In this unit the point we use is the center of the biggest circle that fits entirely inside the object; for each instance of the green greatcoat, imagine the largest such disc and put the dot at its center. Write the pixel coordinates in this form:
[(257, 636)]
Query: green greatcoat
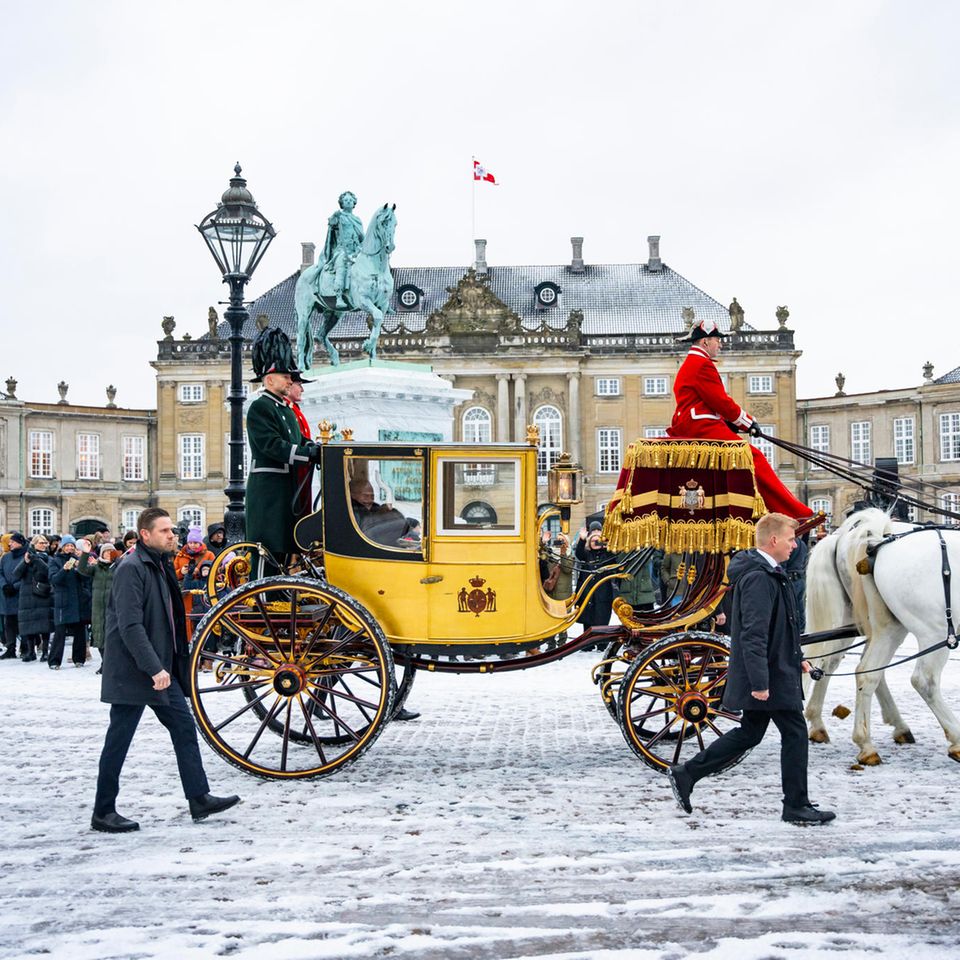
[(276, 448)]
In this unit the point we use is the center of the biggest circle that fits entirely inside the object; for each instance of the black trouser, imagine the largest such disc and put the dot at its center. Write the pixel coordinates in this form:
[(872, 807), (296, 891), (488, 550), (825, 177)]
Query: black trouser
[(178, 720), (753, 725), (79, 634), (11, 626)]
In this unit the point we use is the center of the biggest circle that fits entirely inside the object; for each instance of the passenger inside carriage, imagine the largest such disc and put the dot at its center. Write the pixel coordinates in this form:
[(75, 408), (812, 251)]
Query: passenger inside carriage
[(704, 410)]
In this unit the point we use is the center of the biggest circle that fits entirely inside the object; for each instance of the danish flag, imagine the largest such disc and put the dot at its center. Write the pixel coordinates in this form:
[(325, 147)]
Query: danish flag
[(480, 173)]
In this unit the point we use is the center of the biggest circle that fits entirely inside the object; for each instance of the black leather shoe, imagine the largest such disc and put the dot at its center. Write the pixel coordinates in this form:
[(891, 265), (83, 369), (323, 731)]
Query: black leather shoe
[(808, 813), (208, 804), (113, 823), (682, 786), (404, 714)]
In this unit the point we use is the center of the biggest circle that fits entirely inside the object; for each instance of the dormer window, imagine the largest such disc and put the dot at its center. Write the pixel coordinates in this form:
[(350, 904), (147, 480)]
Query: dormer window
[(547, 295), (409, 297)]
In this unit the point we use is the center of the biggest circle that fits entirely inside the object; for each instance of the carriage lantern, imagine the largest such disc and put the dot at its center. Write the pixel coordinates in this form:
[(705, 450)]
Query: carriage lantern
[(237, 235), (563, 487)]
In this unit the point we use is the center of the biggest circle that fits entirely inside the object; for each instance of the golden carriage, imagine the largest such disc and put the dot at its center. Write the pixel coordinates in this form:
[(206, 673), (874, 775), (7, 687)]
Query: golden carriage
[(296, 675)]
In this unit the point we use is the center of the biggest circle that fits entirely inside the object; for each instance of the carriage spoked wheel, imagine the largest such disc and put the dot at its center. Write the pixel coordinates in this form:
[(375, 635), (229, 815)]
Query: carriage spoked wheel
[(608, 675), (307, 687), (668, 705), (230, 569)]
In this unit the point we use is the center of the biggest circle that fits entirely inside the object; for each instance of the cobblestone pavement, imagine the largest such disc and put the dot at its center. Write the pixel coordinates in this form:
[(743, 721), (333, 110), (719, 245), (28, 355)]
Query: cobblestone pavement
[(509, 821)]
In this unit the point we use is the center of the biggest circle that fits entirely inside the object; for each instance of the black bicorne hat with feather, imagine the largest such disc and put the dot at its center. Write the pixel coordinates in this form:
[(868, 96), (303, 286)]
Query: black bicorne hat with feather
[(272, 353)]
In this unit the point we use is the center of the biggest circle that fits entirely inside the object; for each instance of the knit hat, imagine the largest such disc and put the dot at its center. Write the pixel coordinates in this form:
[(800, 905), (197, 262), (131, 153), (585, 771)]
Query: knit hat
[(67, 539), (194, 536), (18, 537), (105, 548)]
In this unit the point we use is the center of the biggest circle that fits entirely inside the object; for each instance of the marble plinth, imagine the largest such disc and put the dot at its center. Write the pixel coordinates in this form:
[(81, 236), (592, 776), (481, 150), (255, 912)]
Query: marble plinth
[(383, 400)]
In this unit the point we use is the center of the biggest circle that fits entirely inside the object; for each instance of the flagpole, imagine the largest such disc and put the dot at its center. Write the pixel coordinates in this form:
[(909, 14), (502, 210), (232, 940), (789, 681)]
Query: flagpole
[(473, 200)]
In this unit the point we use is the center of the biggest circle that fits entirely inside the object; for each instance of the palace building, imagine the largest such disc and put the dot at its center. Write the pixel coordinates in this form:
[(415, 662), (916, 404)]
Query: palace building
[(587, 352)]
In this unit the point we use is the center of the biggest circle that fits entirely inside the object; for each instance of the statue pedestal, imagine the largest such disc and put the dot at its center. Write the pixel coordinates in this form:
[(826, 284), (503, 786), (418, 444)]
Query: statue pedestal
[(383, 400)]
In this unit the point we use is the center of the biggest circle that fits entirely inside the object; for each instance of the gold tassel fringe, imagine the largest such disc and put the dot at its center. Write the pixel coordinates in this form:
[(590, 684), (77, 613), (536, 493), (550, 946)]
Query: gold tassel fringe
[(676, 536)]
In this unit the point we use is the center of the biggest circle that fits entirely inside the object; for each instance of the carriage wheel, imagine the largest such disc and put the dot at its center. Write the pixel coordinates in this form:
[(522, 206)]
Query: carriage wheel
[(608, 674), (669, 701), (230, 569), (405, 678), (309, 663)]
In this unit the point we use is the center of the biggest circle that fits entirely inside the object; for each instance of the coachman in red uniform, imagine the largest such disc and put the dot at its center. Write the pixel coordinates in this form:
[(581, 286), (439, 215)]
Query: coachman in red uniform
[(704, 408)]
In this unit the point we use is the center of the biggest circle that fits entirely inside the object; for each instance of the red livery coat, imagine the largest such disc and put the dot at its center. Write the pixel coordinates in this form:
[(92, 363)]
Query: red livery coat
[(304, 503), (703, 406)]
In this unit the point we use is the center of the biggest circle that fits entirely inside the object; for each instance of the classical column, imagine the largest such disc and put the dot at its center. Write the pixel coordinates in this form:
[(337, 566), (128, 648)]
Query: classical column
[(520, 400), (503, 407), (573, 419)]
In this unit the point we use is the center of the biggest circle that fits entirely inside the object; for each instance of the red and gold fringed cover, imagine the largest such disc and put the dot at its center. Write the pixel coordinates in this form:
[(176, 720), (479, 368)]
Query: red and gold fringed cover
[(684, 495)]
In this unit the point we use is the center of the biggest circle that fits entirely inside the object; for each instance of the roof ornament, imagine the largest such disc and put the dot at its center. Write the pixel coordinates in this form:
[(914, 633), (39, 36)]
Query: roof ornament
[(783, 315), (840, 380), (736, 315)]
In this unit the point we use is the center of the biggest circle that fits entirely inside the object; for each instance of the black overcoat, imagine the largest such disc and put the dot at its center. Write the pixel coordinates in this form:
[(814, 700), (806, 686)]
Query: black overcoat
[(146, 630), (35, 613), (277, 447), (10, 604), (71, 596), (765, 651)]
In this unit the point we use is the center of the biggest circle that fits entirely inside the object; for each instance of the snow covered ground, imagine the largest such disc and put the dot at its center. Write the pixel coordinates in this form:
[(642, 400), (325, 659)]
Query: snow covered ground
[(509, 821)]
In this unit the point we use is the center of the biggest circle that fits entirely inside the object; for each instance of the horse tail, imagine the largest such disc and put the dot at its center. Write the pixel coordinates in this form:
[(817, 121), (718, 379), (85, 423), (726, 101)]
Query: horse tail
[(868, 605), (827, 603)]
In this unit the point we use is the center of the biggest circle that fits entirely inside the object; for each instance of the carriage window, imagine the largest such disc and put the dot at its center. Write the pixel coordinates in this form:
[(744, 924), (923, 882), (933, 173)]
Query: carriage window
[(479, 497), (386, 500)]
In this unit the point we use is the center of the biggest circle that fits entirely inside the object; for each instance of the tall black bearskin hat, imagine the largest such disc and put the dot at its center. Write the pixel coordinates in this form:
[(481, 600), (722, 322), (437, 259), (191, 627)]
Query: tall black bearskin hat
[(272, 353), (702, 330)]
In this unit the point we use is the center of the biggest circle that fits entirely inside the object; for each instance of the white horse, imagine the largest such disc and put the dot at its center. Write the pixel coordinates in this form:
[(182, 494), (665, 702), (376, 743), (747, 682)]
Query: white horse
[(904, 594)]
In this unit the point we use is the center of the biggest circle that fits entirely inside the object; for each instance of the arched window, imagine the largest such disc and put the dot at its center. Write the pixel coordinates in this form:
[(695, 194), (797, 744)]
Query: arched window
[(550, 421), (826, 505), (41, 521), (191, 515), (477, 425)]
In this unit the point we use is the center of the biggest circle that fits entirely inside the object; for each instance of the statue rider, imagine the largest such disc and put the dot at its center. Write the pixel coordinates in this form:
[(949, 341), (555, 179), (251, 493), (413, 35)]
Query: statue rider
[(344, 238)]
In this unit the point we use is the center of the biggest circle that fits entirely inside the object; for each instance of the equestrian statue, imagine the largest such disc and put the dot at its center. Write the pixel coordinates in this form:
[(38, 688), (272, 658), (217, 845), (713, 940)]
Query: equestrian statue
[(352, 273)]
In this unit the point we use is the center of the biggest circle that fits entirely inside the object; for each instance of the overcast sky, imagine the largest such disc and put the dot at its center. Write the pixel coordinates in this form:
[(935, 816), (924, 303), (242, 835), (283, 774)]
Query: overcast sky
[(791, 154)]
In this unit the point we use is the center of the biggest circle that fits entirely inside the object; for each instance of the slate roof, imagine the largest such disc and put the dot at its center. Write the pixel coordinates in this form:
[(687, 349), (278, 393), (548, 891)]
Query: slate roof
[(952, 377), (619, 298)]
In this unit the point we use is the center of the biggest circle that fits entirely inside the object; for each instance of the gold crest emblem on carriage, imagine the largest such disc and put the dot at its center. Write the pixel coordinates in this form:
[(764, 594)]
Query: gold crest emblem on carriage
[(692, 496), (477, 600)]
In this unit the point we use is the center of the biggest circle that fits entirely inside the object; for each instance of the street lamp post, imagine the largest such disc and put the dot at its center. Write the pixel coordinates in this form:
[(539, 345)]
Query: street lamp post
[(237, 235)]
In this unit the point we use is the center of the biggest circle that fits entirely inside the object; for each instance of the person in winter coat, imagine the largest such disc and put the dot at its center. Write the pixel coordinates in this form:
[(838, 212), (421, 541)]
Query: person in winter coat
[(35, 612), (639, 590), (592, 554), (216, 539), (70, 603), (100, 574), (10, 592), (763, 679), (191, 554), (146, 663)]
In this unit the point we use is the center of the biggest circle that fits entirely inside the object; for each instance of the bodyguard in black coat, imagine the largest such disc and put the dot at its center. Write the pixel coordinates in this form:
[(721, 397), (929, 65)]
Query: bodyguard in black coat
[(35, 613), (763, 680), (145, 659)]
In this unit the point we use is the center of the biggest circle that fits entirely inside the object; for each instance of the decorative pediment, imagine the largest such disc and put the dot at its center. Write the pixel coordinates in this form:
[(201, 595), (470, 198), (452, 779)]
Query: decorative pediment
[(472, 308)]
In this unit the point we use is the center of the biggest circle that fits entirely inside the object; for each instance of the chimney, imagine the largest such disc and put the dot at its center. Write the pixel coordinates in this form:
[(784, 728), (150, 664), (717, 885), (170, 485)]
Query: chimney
[(480, 264), (576, 263), (654, 263), (307, 254)]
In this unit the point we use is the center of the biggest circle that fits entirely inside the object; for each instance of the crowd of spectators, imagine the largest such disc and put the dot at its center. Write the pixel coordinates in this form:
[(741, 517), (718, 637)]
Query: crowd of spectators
[(57, 586)]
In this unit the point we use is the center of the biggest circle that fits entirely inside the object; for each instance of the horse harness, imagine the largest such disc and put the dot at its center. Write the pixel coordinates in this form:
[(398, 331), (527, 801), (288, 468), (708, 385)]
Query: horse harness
[(865, 567)]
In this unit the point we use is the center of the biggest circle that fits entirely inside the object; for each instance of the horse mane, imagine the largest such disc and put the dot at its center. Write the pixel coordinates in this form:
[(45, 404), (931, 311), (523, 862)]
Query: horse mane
[(372, 240)]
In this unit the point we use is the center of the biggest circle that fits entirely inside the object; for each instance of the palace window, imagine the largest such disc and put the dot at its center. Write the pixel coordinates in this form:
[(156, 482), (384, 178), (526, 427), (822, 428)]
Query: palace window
[(41, 454), (608, 386), (609, 455), (134, 457), (760, 383), (903, 439), (191, 515), (226, 456), (655, 386), (41, 521), (951, 502), (550, 422), (191, 456), (824, 505), (477, 425), (764, 445), (191, 393), (653, 433), (88, 456), (819, 440), (128, 520), (950, 436), (860, 447)]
